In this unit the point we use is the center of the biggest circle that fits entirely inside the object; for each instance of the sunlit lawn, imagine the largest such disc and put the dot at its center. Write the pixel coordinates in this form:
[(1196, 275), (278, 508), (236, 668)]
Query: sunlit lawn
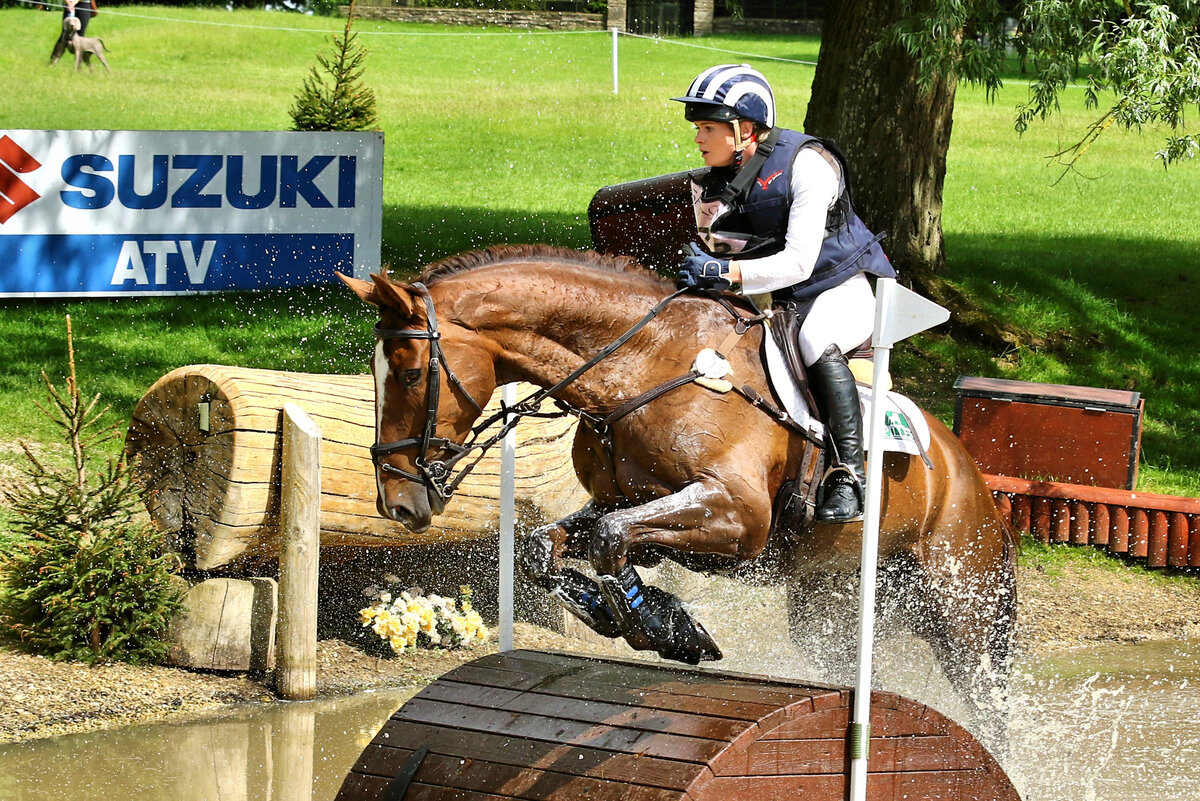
[(495, 136)]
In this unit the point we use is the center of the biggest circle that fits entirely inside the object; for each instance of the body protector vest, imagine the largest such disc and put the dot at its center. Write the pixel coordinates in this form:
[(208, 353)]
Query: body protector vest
[(740, 219)]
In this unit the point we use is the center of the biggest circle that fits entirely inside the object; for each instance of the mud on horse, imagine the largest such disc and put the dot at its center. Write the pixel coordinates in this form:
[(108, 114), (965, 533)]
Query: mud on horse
[(674, 469)]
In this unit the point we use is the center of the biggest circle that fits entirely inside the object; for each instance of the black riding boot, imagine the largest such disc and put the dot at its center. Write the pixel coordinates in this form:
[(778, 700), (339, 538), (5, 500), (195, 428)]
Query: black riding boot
[(833, 385), (655, 620)]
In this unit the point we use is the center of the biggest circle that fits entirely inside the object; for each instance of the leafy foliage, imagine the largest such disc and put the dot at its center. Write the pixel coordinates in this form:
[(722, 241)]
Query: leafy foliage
[(85, 580), (1142, 59), (343, 104)]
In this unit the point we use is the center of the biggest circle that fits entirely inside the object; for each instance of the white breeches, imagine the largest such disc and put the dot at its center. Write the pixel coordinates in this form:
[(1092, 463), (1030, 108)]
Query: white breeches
[(842, 316)]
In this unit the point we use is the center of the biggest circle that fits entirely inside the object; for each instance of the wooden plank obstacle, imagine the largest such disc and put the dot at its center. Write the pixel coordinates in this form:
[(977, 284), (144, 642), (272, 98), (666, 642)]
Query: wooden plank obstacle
[(208, 441), (554, 726)]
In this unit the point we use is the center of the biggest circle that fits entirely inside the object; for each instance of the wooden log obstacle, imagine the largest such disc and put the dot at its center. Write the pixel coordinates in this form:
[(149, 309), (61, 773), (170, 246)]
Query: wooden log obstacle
[(208, 442), (1159, 530), (554, 726)]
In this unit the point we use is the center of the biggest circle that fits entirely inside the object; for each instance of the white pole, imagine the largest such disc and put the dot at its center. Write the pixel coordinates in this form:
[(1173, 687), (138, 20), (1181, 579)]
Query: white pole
[(899, 313), (614, 58), (860, 728), (508, 493)]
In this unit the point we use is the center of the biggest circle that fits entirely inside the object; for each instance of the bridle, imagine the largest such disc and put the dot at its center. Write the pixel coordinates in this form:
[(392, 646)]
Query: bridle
[(437, 475), (434, 473)]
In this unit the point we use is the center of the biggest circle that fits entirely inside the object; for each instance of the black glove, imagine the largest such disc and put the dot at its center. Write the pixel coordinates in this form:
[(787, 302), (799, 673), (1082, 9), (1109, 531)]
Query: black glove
[(702, 271)]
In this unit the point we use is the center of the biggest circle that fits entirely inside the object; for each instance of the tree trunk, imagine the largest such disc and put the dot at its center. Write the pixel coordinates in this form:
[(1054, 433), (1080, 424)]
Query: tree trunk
[(894, 134)]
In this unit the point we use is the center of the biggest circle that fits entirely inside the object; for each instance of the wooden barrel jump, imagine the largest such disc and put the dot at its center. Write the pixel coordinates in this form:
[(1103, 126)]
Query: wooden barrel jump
[(555, 726), (208, 442)]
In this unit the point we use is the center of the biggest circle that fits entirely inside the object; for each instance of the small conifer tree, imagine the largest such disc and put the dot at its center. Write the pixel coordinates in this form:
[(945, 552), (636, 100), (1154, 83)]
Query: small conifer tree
[(84, 579), (336, 100)]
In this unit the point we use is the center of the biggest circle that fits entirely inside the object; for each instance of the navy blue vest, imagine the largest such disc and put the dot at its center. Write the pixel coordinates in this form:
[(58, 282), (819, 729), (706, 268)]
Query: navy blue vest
[(761, 218)]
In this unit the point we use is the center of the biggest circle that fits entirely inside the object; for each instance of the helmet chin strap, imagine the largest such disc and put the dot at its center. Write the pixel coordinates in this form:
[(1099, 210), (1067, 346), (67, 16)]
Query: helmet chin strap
[(740, 144)]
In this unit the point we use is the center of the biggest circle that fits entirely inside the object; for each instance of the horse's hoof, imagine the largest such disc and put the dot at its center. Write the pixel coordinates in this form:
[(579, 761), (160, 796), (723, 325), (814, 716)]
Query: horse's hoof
[(697, 646), (682, 638)]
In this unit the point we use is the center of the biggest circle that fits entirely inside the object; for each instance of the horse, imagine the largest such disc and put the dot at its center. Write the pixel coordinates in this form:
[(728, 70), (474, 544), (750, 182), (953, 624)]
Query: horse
[(675, 468)]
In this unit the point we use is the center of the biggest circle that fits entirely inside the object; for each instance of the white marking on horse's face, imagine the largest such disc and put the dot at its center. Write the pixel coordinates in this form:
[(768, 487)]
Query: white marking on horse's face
[(380, 368)]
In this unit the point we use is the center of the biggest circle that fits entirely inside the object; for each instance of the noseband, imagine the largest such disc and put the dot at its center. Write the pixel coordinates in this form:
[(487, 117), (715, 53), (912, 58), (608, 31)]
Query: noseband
[(434, 474)]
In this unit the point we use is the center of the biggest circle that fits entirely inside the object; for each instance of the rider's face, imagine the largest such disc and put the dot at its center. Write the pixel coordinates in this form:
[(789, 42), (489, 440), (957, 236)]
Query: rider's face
[(715, 140)]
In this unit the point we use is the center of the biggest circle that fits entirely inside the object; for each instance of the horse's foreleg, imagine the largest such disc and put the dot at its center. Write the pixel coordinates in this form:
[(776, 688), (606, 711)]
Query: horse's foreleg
[(701, 518), (540, 556)]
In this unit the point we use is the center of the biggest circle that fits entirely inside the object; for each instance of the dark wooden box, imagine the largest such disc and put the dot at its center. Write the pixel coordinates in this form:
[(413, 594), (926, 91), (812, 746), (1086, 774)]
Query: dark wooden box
[(1050, 432), (651, 220)]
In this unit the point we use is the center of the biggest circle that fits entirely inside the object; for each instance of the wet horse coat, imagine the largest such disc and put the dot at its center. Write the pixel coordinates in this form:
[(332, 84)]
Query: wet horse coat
[(692, 475)]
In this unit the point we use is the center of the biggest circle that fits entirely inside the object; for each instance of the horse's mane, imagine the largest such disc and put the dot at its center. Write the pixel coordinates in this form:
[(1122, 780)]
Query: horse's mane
[(502, 254)]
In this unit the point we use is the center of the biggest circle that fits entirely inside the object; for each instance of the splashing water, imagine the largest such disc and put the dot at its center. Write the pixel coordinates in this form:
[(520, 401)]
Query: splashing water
[(1101, 723)]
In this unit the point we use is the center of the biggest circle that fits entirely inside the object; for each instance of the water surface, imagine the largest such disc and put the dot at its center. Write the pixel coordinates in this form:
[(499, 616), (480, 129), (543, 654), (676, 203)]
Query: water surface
[(1112, 723)]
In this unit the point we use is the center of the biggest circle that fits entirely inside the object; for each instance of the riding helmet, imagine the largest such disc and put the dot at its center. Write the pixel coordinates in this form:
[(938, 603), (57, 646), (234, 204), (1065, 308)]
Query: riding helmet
[(730, 92)]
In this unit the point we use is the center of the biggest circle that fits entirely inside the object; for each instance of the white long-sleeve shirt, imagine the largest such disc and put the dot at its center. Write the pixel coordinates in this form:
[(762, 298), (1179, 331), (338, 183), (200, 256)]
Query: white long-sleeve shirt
[(815, 188)]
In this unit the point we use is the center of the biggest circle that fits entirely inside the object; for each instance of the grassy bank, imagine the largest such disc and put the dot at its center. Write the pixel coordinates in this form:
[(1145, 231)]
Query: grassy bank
[(494, 136)]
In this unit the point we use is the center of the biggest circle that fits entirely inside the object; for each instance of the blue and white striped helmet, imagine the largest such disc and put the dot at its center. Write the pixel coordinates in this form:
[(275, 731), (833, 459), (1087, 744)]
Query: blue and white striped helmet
[(730, 92)]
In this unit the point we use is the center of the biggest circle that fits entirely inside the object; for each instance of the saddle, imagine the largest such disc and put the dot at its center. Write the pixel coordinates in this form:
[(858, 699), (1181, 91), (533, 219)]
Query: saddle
[(796, 501)]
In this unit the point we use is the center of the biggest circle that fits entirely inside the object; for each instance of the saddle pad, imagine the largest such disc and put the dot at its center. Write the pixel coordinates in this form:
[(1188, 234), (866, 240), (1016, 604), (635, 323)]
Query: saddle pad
[(905, 428), (903, 419)]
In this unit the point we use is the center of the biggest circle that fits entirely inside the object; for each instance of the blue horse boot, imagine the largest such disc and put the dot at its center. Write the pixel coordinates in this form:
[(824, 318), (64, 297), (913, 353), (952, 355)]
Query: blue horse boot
[(655, 620)]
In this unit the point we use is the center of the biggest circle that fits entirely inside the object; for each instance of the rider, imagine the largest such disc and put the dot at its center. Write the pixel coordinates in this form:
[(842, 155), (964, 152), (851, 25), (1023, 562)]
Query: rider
[(774, 209)]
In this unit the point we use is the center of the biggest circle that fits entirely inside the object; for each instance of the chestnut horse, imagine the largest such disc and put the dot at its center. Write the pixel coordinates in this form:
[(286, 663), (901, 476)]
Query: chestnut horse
[(690, 474)]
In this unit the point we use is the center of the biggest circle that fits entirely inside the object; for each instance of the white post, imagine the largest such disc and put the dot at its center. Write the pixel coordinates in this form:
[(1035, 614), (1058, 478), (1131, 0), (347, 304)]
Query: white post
[(615, 33), (508, 493), (899, 313)]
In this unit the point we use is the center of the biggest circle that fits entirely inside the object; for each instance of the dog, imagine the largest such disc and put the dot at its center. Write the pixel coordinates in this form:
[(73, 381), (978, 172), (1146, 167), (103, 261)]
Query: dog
[(83, 46)]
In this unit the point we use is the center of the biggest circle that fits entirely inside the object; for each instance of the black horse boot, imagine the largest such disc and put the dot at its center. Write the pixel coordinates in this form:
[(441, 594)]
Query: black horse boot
[(655, 620), (581, 596), (575, 591), (833, 386)]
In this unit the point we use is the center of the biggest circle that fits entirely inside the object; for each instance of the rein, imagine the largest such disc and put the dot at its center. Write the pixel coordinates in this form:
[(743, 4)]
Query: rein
[(439, 475)]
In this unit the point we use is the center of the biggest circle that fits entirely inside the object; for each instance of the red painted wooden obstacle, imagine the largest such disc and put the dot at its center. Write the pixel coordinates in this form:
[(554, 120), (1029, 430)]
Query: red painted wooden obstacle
[(554, 726), (1162, 530)]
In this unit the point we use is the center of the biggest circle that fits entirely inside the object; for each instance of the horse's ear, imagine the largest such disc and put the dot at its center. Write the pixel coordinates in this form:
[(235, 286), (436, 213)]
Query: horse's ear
[(399, 298), (364, 289), (381, 292)]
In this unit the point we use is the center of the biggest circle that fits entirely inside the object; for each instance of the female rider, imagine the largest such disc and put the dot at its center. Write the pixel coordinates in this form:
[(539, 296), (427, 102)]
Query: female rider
[(773, 208)]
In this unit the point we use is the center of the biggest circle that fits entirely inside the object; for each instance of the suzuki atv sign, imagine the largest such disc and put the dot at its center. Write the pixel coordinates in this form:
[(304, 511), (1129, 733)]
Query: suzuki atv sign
[(110, 213)]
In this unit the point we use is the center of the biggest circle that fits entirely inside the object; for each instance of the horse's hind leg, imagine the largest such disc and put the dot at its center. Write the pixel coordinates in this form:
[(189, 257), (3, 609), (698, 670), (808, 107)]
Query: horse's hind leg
[(540, 556), (968, 622)]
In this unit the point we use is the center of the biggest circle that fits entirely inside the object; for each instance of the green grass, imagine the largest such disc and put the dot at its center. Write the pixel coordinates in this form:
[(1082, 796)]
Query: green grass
[(498, 137), (1053, 560)]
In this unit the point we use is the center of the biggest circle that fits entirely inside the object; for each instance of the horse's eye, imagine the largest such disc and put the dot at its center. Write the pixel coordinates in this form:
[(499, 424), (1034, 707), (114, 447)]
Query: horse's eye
[(411, 377)]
